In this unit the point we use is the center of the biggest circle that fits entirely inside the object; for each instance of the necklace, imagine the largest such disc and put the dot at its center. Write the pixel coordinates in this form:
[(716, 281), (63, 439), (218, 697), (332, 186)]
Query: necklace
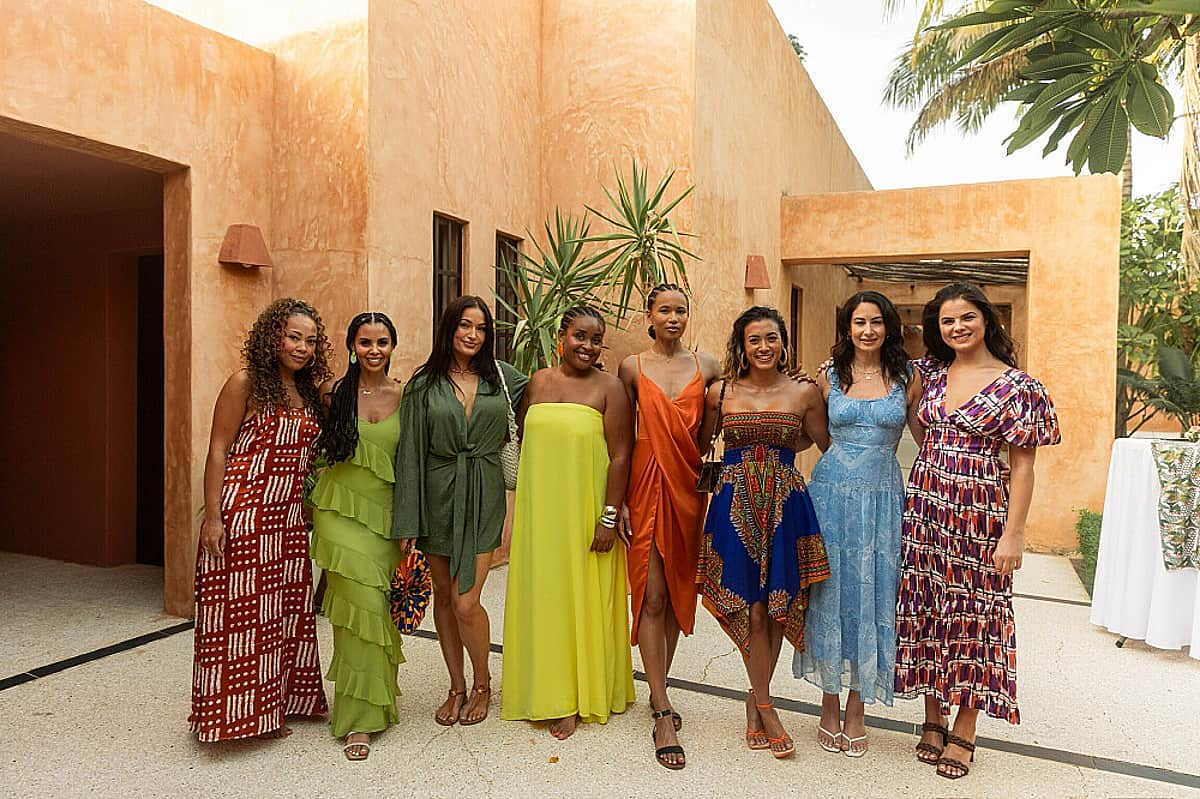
[(867, 374), (456, 371), (369, 390)]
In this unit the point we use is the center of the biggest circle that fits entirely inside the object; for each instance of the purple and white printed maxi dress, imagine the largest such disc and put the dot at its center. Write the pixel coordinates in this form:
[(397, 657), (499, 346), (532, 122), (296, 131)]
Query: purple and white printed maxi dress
[(956, 635)]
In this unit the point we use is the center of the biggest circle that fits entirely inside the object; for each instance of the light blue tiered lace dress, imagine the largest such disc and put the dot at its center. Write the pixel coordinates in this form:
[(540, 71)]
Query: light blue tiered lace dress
[(858, 494)]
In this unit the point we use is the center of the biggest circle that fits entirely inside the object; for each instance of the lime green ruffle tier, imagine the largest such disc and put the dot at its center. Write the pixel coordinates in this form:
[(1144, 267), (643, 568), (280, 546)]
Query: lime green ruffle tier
[(352, 521)]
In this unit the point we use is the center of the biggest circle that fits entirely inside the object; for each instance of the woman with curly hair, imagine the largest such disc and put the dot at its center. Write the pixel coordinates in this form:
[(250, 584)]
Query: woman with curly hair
[(858, 493), (256, 639), (762, 548), (352, 533), (450, 488)]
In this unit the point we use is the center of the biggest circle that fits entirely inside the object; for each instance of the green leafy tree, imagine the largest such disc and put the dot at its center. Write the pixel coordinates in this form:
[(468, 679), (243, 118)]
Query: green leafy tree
[(1158, 333), (1098, 74)]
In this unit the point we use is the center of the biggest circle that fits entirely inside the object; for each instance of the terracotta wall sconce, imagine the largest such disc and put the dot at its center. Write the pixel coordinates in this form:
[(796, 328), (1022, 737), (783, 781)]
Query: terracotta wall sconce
[(244, 246), (756, 273)]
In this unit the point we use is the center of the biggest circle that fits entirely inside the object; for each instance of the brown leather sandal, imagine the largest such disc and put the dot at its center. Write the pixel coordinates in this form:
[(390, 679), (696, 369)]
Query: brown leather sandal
[(934, 751), (478, 690), (954, 763), (450, 722)]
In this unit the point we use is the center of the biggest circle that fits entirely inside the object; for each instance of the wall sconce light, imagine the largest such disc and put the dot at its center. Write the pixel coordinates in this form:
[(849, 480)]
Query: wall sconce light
[(244, 246), (756, 273)]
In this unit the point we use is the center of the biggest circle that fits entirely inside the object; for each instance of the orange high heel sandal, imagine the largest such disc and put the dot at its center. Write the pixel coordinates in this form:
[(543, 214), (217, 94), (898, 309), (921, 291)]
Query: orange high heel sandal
[(779, 754)]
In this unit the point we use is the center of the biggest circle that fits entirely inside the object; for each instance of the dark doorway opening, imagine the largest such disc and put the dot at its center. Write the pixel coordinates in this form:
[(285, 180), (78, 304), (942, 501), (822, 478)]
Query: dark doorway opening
[(150, 410)]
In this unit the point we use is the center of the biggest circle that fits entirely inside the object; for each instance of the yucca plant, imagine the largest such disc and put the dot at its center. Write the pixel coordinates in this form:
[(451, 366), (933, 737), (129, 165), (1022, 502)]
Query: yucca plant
[(644, 248), (547, 282)]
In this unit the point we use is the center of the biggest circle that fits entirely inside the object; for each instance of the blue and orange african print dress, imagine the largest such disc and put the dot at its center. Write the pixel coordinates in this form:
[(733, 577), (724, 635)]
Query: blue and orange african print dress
[(761, 539), (957, 638)]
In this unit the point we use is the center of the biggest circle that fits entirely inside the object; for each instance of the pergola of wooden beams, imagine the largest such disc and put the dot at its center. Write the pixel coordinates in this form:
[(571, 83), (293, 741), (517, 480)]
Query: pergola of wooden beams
[(989, 271)]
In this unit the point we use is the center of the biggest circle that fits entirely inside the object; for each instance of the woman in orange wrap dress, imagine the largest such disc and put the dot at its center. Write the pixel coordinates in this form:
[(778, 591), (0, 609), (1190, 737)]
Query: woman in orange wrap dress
[(667, 384)]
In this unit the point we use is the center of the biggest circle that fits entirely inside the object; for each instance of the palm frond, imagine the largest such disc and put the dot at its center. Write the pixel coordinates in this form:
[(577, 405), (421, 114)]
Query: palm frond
[(969, 97)]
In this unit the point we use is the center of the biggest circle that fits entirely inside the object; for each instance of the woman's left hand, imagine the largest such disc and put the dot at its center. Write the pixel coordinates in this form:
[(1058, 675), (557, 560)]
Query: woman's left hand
[(604, 538), (1009, 551), (406, 546), (625, 526)]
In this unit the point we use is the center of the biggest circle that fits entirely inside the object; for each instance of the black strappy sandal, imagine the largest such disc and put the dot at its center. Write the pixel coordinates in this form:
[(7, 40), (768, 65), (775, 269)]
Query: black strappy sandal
[(951, 738), (661, 751), (934, 751)]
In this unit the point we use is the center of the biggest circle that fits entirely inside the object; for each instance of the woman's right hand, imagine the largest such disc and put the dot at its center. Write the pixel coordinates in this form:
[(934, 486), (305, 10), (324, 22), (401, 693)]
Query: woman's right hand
[(212, 537)]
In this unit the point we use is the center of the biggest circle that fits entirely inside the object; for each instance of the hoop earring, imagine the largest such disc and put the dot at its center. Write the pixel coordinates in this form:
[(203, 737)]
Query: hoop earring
[(353, 358), (744, 363), (783, 359)]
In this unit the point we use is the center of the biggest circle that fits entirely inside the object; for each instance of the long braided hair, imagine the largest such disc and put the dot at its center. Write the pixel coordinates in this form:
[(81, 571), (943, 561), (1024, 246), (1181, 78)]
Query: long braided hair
[(997, 339), (441, 357), (339, 434), (653, 295), (893, 359), (260, 353)]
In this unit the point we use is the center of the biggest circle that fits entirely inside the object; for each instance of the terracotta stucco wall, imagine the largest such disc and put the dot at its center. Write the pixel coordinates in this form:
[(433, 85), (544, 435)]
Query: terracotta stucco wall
[(455, 128), (319, 193), (1070, 229), (762, 132), (132, 82), (68, 363)]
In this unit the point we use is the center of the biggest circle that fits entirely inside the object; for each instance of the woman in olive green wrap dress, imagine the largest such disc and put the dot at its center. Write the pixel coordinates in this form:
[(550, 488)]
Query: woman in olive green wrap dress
[(352, 534), (450, 488)]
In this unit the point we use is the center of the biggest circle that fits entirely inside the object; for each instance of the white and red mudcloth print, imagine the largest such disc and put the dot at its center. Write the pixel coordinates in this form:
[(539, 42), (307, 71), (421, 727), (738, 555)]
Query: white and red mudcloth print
[(256, 638)]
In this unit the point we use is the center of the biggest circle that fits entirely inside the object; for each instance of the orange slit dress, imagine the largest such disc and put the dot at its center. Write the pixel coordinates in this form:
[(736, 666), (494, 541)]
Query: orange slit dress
[(664, 507)]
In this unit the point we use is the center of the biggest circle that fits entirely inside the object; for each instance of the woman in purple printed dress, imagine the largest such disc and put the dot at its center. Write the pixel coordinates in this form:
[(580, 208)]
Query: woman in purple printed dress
[(964, 524)]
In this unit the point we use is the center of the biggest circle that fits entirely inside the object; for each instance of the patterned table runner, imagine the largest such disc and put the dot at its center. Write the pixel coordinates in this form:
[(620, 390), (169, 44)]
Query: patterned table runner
[(1178, 466)]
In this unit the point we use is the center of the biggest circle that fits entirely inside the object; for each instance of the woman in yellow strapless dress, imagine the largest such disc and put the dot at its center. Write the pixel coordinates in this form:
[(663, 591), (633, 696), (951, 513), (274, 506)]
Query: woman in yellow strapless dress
[(566, 622)]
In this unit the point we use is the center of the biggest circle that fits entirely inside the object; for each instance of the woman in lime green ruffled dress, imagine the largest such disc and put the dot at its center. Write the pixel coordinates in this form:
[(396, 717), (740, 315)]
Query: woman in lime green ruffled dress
[(566, 619), (352, 540)]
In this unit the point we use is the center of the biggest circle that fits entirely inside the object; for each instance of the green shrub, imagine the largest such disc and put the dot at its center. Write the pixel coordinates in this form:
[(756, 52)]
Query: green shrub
[(1088, 528)]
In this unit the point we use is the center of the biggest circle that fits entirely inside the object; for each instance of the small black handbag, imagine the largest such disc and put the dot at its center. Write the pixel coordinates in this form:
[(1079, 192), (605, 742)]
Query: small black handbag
[(710, 470)]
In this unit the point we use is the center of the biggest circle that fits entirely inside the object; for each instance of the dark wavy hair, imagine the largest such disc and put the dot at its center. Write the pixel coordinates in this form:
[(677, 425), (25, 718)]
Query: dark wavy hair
[(893, 359), (260, 353), (735, 351), (653, 295), (997, 339), (441, 357), (578, 312), (339, 434)]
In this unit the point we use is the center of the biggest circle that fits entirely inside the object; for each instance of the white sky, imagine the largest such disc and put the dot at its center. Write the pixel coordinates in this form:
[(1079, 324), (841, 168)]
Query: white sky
[(850, 49)]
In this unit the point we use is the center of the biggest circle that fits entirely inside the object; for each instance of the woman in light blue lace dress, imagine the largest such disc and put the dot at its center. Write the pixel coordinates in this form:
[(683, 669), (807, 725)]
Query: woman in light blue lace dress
[(858, 493)]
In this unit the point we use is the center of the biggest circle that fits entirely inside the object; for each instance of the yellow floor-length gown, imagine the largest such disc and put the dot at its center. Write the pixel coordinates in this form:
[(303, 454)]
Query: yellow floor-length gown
[(566, 619)]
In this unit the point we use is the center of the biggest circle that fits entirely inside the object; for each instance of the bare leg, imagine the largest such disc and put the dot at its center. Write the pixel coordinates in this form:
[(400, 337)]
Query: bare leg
[(448, 637), (652, 642), (474, 628), (766, 639), (964, 727), (829, 732), (933, 715), (855, 740)]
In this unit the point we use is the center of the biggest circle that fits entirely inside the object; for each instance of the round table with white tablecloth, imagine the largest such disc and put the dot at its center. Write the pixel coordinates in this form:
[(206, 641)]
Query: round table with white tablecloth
[(1134, 594)]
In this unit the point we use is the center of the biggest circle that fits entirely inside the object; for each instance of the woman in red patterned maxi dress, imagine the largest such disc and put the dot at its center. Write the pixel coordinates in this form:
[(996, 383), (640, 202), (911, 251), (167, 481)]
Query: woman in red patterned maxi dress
[(964, 524), (256, 640)]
